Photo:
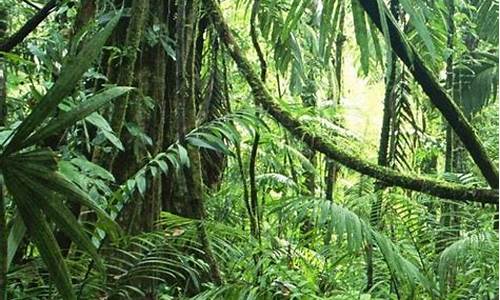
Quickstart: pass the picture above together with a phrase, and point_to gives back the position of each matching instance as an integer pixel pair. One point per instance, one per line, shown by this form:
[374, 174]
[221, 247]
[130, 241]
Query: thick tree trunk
[448, 108]
[169, 193]
[390, 177]
[126, 160]
[153, 66]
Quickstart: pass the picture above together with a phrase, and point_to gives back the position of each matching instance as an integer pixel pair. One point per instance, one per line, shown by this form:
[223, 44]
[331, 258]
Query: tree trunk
[153, 66]
[448, 209]
[332, 168]
[383, 149]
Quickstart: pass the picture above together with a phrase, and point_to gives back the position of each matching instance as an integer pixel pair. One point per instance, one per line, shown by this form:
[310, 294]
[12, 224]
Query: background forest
[249, 149]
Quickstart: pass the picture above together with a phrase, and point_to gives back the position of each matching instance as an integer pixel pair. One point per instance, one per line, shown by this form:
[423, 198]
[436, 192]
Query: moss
[135, 30]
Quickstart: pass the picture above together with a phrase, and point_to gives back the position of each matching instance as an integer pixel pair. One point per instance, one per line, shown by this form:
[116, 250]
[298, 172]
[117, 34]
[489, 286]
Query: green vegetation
[265, 149]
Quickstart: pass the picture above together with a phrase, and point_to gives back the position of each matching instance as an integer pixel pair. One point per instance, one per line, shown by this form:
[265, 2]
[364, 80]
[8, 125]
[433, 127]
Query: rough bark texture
[135, 31]
[450, 111]
[390, 177]
[155, 61]
[170, 123]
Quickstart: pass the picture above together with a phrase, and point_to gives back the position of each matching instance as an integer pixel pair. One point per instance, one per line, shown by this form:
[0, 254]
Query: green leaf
[325, 29]
[296, 10]
[45, 200]
[140, 180]
[113, 139]
[71, 73]
[376, 43]
[361, 33]
[16, 235]
[92, 168]
[417, 20]
[200, 143]
[163, 166]
[42, 236]
[67, 119]
[183, 155]
[29, 164]
[98, 121]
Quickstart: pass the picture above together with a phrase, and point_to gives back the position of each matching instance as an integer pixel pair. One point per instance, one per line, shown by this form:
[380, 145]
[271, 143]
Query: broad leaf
[71, 73]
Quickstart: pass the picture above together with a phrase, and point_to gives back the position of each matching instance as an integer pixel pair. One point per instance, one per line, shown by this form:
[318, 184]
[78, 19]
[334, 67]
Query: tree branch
[408, 181]
[31, 4]
[28, 27]
[437, 95]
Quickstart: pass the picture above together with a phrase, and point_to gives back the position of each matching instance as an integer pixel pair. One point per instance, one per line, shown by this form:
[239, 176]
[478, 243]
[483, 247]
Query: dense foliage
[265, 149]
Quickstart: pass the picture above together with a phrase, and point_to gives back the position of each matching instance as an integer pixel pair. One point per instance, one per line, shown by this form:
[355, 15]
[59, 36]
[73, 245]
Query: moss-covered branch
[434, 91]
[408, 181]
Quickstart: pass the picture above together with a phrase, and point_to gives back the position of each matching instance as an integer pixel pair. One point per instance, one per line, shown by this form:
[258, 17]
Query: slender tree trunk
[254, 202]
[383, 157]
[169, 192]
[448, 209]
[309, 101]
[332, 168]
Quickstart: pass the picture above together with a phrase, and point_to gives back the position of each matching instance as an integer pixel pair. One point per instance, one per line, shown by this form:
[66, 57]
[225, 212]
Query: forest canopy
[249, 149]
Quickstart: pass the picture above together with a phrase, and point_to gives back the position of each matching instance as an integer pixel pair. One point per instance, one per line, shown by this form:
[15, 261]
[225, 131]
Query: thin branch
[412, 182]
[28, 27]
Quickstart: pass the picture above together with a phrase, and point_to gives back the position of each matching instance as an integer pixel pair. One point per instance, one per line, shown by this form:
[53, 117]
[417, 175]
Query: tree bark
[153, 64]
[390, 177]
[126, 77]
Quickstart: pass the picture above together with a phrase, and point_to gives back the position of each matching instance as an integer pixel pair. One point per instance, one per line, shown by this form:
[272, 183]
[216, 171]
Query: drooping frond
[338, 224]
[467, 258]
